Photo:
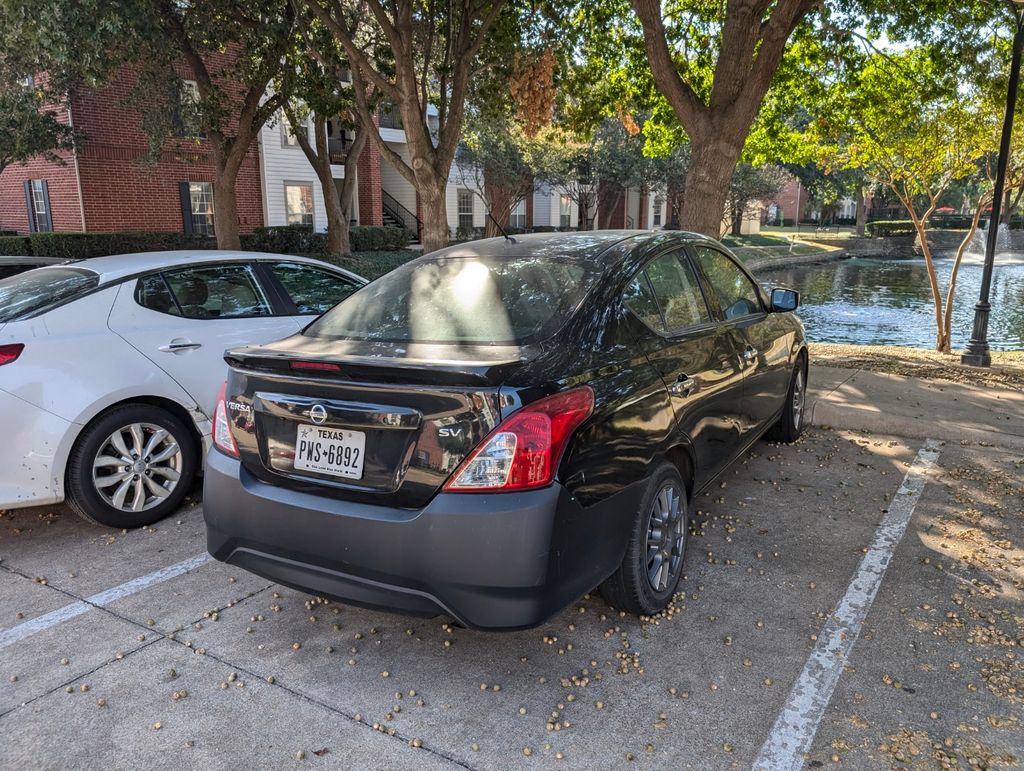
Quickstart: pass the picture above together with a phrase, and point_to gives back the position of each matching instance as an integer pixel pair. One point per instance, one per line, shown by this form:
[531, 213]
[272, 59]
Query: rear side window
[737, 295]
[311, 289]
[218, 292]
[678, 292]
[468, 300]
[152, 292]
[39, 290]
[639, 298]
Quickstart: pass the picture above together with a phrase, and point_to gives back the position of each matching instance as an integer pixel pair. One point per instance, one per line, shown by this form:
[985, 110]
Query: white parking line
[101, 599]
[797, 724]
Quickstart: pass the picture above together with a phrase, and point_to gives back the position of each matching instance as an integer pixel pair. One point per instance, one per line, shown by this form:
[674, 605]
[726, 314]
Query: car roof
[582, 245]
[118, 266]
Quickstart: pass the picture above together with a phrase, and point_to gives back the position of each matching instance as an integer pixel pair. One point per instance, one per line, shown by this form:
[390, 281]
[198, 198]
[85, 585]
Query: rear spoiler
[455, 372]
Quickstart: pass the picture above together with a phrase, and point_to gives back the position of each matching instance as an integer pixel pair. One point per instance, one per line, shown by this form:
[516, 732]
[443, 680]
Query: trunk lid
[400, 417]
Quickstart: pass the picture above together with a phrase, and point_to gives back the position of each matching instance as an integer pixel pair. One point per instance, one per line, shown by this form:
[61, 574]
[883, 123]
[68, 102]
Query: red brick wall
[121, 189]
[368, 179]
[787, 200]
[60, 180]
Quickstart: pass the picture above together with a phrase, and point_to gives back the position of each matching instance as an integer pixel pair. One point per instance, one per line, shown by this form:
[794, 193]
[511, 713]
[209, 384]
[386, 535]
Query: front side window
[517, 219]
[298, 199]
[312, 290]
[197, 208]
[564, 211]
[218, 292]
[463, 300]
[678, 292]
[38, 290]
[465, 209]
[736, 294]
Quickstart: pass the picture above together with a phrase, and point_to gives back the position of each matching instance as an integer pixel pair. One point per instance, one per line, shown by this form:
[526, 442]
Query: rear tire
[653, 564]
[132, 466]
[790, 424]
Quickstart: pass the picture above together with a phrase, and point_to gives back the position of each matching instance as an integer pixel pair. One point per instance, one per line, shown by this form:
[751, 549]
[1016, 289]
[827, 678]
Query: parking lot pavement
[237, 671]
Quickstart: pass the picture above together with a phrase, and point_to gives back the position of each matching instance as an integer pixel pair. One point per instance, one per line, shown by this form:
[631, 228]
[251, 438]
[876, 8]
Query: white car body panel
[200, 371]
[75, 365]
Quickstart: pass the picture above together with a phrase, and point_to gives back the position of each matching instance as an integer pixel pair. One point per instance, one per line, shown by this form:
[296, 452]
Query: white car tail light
[222, 438]
[524, 451]
[10, 352]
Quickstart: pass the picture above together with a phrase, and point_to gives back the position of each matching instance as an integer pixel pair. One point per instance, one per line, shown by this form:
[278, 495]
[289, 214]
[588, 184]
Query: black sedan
[494, 429]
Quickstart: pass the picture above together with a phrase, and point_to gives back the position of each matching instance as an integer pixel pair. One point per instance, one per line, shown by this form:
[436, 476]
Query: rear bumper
[33, 452]
[490, 561]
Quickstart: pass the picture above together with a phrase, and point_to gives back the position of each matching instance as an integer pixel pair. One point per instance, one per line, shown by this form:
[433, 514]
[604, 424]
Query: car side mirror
[785, 300]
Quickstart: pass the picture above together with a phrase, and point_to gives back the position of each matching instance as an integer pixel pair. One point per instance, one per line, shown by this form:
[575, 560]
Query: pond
[888, 301]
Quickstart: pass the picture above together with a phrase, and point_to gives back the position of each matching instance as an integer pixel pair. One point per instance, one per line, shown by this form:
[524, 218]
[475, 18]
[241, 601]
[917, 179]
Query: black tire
[94, 444]
[790, 424]
[631, 587]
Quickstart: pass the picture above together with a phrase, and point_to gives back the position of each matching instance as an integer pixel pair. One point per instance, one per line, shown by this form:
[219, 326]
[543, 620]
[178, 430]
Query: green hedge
[301, 239]
[14, 246]
[374, 264]
[80, 246]
[883, 228]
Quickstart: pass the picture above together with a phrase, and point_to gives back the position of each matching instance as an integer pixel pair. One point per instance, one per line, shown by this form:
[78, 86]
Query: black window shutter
[29, 207]
[186, 207]
[47, 225]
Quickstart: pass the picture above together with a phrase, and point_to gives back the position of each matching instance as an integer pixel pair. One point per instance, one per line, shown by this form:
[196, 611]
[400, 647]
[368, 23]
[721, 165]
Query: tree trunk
[862, 211]
[337, 221]
[712, 163]
[348, 182]
[498, 200]
[435, 213]
[737, 222]
[225, 210]
[947, 324]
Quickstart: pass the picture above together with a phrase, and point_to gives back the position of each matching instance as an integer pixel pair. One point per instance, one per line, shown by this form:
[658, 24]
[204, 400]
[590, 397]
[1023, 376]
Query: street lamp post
[977, 351]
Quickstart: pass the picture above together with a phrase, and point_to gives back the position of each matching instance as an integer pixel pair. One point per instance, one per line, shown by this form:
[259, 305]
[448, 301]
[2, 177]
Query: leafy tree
[313, 88]
[565, 161]
[913, 130]
[714, 63]
[415, 54]
[495, 162]
[230, 50]
[752, 183]
[29, 126]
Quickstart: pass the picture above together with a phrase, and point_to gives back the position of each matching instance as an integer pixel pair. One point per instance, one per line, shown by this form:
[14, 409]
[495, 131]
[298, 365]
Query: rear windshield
[463, 300]
[40, 289]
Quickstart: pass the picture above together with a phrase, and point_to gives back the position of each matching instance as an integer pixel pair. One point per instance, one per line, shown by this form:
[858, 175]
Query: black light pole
[977, 353]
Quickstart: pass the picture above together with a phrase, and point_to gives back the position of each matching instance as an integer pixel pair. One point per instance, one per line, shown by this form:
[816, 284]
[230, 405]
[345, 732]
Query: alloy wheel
[137, 467]
[798, 398]
[666, 537]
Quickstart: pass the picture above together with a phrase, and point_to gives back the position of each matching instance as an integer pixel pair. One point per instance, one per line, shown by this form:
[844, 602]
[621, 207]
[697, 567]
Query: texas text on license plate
[333, 451]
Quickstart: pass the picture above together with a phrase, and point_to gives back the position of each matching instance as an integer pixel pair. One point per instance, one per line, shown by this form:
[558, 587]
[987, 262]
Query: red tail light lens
[222, 438]
[524, 451]
[324, 366]
[9, 353]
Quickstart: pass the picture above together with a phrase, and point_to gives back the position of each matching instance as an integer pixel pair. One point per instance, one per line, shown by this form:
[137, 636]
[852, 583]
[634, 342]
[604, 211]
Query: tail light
[524, 451]
[222, 438]
[9, 353]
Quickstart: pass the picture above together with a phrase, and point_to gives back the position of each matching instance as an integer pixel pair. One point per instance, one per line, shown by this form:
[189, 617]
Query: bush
[302, 239]
[8, 232]
[14, 245]
[80, 246]
[885, 228]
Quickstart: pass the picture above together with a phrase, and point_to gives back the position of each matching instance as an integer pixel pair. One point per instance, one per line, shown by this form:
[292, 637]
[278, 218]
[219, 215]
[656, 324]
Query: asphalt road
[107, 662]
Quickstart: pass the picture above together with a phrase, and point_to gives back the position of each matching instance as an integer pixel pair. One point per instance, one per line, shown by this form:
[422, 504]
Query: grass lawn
[757, 239]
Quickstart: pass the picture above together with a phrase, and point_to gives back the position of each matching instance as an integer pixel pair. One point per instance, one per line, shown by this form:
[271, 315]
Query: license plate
[332, 451]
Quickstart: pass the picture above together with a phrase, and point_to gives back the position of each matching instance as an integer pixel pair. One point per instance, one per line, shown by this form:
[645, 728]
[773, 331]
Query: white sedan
[110, 369]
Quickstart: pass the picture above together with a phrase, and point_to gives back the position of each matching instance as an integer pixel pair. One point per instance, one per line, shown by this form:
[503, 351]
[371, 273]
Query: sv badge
[450, 431]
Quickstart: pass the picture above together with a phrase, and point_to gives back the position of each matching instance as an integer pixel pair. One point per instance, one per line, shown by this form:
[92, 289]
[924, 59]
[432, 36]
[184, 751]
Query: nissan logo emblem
[318, 414]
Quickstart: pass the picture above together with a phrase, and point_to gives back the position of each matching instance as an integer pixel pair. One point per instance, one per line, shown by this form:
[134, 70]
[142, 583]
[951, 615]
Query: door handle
[684, 386]
[178, 344]
[749, 353]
